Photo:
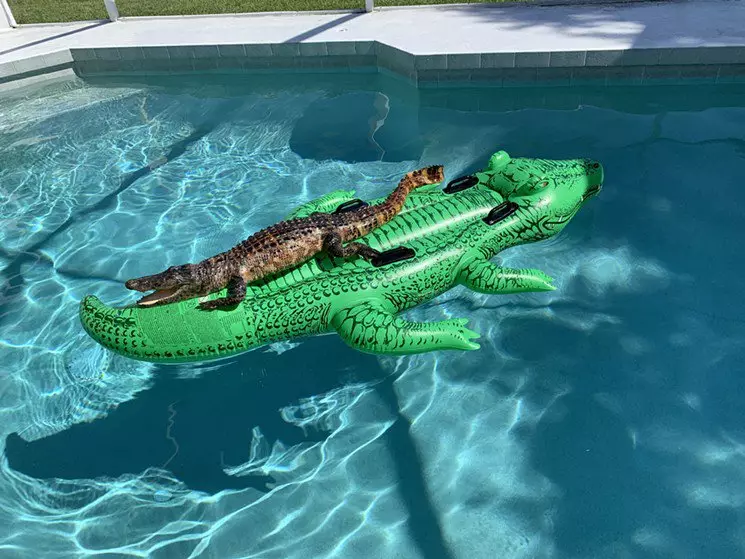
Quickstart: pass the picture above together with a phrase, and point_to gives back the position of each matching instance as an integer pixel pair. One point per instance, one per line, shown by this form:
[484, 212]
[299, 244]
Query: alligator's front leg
[370, 328]
[236, 294]
[485, 277]
[334, 246]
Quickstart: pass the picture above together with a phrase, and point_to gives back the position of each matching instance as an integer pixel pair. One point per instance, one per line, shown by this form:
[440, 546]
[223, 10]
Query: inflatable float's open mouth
[156, 296]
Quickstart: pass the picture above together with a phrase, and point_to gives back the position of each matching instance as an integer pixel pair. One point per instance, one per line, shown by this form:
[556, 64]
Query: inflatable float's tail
[166, 334]
[115, 329]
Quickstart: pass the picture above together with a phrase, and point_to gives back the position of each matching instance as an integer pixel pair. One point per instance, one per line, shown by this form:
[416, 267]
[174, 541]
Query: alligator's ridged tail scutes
[421, 177]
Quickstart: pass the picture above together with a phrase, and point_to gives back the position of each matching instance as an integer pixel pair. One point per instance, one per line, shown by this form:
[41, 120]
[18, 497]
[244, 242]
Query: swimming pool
[603, 419]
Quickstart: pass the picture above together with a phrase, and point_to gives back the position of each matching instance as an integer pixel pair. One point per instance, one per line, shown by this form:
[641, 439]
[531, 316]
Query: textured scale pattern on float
[453, 233]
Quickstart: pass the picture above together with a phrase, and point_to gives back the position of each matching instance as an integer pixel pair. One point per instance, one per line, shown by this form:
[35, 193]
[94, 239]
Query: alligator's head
[174, 284]
[554, 190]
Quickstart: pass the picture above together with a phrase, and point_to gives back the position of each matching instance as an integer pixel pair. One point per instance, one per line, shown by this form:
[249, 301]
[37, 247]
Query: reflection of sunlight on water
[59, 374]
[341, 484]
[327, 413]
[601, 271]
[713, 477]
[467, 433]
[620, 270]
[280, 347]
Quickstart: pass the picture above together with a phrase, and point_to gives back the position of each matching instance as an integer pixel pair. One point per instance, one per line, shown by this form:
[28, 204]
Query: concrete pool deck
[704, 38]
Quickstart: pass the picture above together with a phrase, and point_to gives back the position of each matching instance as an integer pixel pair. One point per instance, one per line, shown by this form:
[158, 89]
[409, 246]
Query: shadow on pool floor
[210, 420]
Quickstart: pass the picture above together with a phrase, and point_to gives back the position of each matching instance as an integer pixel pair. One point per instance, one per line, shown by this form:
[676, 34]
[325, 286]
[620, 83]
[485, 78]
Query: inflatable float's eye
[543, 184]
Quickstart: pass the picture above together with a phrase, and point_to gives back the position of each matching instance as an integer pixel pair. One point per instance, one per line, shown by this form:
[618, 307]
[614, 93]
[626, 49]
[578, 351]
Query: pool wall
[506, 69]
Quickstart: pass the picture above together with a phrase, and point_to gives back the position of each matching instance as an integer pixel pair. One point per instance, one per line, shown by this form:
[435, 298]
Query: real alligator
[277, 248]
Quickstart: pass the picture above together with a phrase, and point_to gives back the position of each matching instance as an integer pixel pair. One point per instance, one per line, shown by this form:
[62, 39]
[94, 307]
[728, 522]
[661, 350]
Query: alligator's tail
[421, 177]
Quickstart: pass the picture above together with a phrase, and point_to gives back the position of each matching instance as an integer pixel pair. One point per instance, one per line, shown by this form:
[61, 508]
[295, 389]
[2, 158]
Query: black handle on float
[350, 206]
[500, 212]
[393, 255]
[461, 183]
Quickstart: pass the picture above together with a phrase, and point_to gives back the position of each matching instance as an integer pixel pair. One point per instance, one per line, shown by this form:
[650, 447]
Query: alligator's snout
[136, 285]
[148, 283]
[168, 286]
[172, 277]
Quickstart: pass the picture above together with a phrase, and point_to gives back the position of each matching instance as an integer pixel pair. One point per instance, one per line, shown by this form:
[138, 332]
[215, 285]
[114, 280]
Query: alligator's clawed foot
[236, 294]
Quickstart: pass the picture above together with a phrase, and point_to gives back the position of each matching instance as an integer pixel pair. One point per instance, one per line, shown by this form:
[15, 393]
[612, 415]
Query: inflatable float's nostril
[596, 173]
[498, 160]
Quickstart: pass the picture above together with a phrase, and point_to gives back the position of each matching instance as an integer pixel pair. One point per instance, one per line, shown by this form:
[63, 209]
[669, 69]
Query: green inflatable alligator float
[442, 237]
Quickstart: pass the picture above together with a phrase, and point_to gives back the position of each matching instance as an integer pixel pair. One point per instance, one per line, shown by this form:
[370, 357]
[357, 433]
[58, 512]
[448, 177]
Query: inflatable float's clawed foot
[325, 204]
[370, 328]
[485, 277]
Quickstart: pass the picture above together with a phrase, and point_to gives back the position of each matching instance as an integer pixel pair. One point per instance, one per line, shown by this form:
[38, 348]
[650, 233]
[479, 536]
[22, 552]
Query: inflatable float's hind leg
[485, 277]
[370, 328]
[325, 204]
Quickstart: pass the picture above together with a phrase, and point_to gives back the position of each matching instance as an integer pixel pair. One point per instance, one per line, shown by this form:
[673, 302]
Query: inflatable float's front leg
[370, 328]
[325, 204]
[484, 277]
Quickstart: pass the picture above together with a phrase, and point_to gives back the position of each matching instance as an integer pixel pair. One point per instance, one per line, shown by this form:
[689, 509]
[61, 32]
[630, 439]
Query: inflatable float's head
[557, 189]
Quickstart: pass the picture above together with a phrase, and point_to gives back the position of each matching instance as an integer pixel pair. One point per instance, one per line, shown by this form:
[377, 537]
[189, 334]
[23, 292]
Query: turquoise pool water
[604, 419]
